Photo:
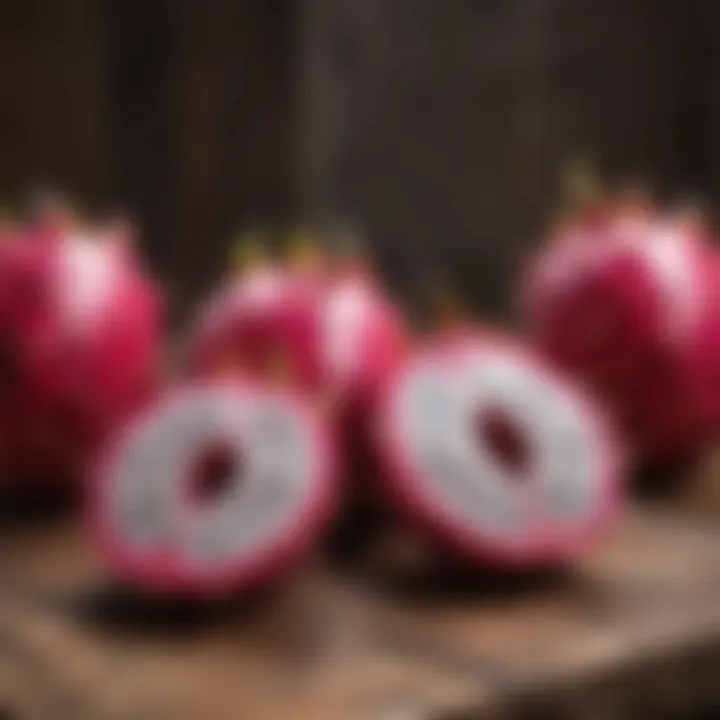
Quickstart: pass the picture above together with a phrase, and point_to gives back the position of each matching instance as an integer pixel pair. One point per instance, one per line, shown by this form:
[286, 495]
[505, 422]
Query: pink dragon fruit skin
[630, 309]
[254, 316]
[365, 338]
[340, 333]
[86, 352]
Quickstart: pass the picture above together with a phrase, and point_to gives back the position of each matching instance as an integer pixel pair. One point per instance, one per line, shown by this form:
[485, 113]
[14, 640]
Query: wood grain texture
[441, 126]
[634, 627]
[53, 109]
[232, 114]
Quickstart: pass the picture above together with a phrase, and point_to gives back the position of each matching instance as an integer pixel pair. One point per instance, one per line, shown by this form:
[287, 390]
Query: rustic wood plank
[441, 126]
[303, 651]
[233, 113]
[641, 610]
[53, 125]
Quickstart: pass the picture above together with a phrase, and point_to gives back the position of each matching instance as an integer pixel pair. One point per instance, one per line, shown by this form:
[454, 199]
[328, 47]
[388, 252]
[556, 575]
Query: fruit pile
[497, 451]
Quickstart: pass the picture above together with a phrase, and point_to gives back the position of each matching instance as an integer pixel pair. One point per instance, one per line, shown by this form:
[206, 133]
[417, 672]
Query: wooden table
[632, 631]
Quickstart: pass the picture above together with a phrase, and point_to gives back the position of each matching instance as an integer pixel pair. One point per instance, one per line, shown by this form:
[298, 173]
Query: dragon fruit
[629, 305]
[80, 338]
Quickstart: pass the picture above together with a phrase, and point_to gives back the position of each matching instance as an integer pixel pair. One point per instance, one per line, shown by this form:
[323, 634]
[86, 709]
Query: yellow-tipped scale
[303, 251]
[581, 186]
[247, 253]
[7, 219]
[447, 309]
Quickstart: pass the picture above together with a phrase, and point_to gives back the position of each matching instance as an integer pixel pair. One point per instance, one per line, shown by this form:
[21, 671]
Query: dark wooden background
[438, 125]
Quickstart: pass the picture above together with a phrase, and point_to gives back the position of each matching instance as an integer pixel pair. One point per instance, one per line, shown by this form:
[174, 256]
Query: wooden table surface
[631, 631]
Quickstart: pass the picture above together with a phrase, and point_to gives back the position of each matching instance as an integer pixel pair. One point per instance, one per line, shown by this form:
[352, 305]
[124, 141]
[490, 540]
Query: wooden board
[75, 649]
[427, 120]
[632, 631]
[634, 626]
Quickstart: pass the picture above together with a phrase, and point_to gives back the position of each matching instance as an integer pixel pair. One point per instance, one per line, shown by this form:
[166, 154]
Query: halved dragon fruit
[495, 455]
[215, 488]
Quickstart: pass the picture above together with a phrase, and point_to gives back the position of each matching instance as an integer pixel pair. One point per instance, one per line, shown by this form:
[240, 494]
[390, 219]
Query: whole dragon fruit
[629, 305]
[339, 332]
[80, 338]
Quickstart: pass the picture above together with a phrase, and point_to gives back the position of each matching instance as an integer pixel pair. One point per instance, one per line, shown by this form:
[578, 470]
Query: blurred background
[440, 126]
